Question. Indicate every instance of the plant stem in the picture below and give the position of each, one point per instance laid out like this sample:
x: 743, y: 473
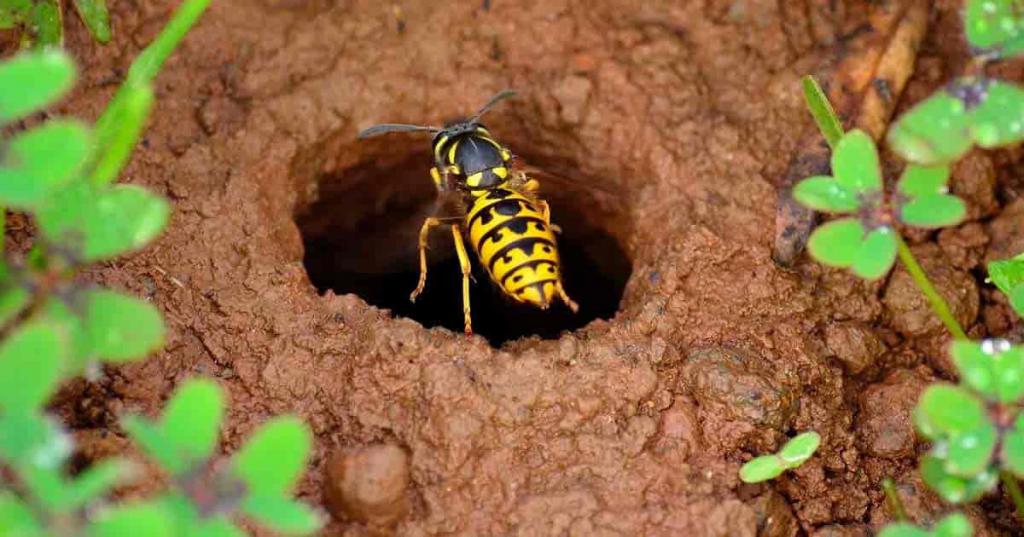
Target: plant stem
x: 936, y: 301
x: 893, y: 497
x: 1013, y: 489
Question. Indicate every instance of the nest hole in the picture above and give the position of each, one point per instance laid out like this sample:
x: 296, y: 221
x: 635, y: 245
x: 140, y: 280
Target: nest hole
x: 360, y: 234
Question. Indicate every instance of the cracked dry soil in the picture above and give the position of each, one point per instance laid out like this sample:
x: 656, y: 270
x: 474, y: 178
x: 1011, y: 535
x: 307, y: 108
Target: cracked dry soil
x: 291, y: 245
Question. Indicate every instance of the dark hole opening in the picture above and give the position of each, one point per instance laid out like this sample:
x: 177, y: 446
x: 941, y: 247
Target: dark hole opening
x: 360, y: 236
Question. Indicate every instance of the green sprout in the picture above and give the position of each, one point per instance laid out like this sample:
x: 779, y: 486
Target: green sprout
x: 793, y: 454
x: 42, y: 21
x: 995, y: 28
x: 953, y: 525
x: 56, y: 327
x: 1008, y: 275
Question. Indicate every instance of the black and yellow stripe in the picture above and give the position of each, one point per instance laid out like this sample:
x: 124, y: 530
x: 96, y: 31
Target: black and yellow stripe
x: 516, y: 245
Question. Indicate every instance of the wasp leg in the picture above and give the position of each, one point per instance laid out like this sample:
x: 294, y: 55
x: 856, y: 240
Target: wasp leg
x: 460, y: 250
x: 545, y: 210
x: 428, y: 224
x: 565, y: 298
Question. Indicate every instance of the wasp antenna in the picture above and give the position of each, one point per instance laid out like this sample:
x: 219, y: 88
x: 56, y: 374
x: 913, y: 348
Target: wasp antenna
x: 385, y: 128
x: 501, y: 96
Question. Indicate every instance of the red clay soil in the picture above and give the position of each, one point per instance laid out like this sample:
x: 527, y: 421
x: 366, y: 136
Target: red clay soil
x: 669, y: 122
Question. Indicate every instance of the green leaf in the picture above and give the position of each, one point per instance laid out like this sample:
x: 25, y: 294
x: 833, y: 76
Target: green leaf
x: 1007, y: 274
x: 31, y: 358
x: 32, y: 438
x: 217, y: 527
x: 837, y: 243
x: 147, y: 519
x: 16, y: 518
x: 823, y: 193
x: 155, y: 444
x: 40, y: 160
x: 800, y: 448
x: 44, y: 483
x: 33, y: 80
x: 46, y: 23
x: 1012, y: 454
x: 921, y: 180
x: 993, y: 368
x: 1017, y: 300
x: 129, y: 117
x: 282, y: 514
x: 935, y: 131
x: 121, y: 328
x: 903, y: 529
x: 13, y: 300
x: 13, y: 13
x: 762, y: 468
x: 271, y: 461
x: 999, y: 118
x: 995, y: 25
x: 94, y: 483
x: 103, y: 223
x: 855, y: 163
x: 876, y: 254
x: 825, y: 117
x: 955, y: 489
x: 945, y: 409
x: 970, y: 453
x: 933, y: 211
x: 96, y: 18
x: 59, y: 314
x: 192, y: 419
x: 954, y: 525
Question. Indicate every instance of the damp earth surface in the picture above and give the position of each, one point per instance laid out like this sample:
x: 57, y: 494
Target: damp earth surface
x: 663, y: 126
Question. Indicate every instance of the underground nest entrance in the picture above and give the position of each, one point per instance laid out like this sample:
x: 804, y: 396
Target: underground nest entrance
x: 360, y: 236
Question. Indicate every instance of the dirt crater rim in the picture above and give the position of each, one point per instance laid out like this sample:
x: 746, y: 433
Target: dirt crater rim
x: 360, y: 222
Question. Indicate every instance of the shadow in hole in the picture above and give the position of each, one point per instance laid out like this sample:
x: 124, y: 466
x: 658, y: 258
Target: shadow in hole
x: 360, y: 237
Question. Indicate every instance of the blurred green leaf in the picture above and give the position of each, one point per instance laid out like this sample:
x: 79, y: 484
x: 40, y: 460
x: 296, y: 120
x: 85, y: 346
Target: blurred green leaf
x: 876, y: 255
x: 217, y: 527
x: 995, y: 25
x: 933, y: 211
x: 952, y: 488
x: 13, y: 13
x: 31, y: 359
x: 800, y: 448
x: 116, y: 144
x: 13, y: 300
x: 36, y: 439
x: 272, y: 460
x: 155, y: 444
x: 40, y: 160
x: 855, y: 163
x: 33, y: 80
x: 46, y: 24
x: 935, y: 131
x: 837, y: 243
x: 823, y: 193
x: 954, y: 525
x: 192, y: 419
x: 945, y: 409
x: 120, y: 327
x: 129, y: 520
x: 94, y: 482
x: 820, y: 107
x: 102, y: 223
x: 16, y: 518
x: 903, y: 529
x: 1012, y: 454
x: 761, y: 469
x: 993, y: 368
x: 282, y: 514
x: 96, y: 18
x: 922, y: 180
x: 970, y: 453
x: 999, y: 118
x: 80, y: 354
x: 45, y: 484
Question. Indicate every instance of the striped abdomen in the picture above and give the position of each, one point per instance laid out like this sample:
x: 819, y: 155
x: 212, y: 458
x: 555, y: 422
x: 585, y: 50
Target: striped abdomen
x: 515, y: 245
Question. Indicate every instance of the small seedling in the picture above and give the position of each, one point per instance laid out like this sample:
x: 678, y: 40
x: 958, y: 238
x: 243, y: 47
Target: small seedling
x: 796, y: 452
x: 954, y: 525
x: 42, y: 21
